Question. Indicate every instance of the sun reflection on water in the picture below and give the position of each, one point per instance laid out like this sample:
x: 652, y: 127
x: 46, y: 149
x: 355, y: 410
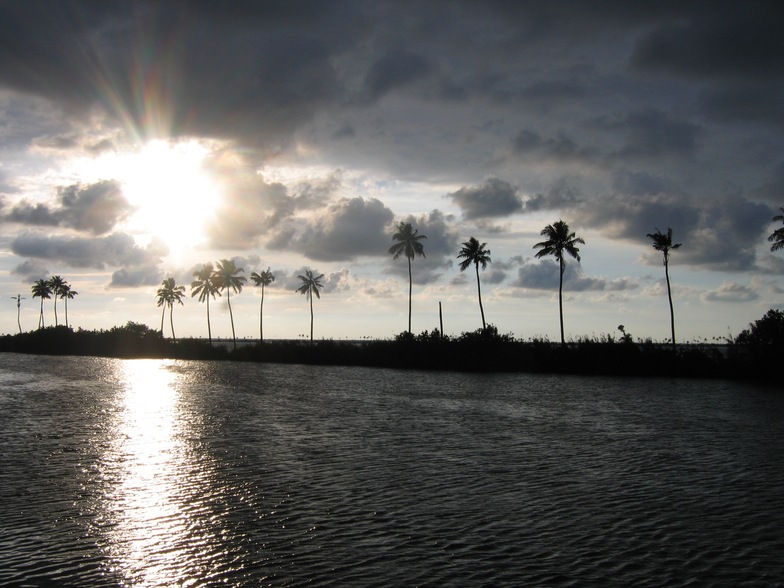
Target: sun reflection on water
x: 156, y: 533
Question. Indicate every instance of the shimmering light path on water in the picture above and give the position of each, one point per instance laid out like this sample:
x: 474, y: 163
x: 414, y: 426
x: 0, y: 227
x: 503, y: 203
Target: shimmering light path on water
x: 174, y: 473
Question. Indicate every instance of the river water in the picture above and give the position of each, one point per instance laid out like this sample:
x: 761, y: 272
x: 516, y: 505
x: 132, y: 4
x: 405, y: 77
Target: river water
x: 178, y: 473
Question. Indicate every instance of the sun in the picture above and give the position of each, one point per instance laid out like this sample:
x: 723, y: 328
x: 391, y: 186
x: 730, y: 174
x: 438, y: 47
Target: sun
x: 168, y: 184
x: 172, y: 192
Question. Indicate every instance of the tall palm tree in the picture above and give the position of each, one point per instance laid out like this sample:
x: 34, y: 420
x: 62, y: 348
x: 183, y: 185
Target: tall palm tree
x: 310, y: 285
x: 407, y: 244
x: 56, y: 284
x: 205, y: 287
x: 263, y: 279
x: 474, y: 252
x: 663, y: 242
x: 777, y: 237
x: 67, y: 293
x: 168, y: 294
x: 42, y: 290
x: 559, y: 241
x: 226, y: 278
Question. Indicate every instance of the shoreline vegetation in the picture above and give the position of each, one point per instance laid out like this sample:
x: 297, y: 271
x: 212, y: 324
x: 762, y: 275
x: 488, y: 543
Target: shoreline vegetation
x: 752, y: 355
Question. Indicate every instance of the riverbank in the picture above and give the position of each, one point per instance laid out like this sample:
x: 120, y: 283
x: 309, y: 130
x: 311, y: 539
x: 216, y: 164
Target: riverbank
x: 479, y: 351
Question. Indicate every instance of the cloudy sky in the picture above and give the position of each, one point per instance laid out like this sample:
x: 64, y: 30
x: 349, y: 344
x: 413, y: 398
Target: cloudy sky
x: 140, y: 139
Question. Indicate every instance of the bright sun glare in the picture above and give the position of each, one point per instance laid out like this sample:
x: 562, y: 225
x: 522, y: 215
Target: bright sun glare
x: 171, y: 191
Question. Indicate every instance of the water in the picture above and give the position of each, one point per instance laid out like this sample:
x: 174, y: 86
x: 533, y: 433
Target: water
x: 176, y: 473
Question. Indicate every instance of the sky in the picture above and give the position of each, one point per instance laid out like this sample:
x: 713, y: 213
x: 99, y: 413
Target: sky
x: 142, y: 139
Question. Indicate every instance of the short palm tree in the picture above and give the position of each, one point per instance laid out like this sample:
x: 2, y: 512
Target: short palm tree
x: 407, y: 244
x: 204, y: 287
x: 559, y: 241
x: 263, y: 279
x: 310, y: 286
x: 777, y: 237
x: 42, y: 290
x: 18, y: 299
x: 56, y: 284
x: 67, y: 293
x: 474, y: 252
x: 663, y: 242
x: 168, y: 294
x: 227, y: 278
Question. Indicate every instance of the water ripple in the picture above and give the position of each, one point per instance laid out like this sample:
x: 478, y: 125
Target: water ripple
x: 171, y: 473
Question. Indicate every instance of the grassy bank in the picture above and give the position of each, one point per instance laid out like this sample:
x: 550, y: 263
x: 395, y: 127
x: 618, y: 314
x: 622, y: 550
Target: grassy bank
x: 478, y: 351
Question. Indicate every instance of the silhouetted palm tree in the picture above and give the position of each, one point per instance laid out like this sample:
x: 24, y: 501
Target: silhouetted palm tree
x: 663, y: 242
x: 310, y: 285
x: 777, y: 237
x: 67, y: 293
x: 56, y: 284
x: 42, y: 290
x: 226, y: 278
x: 205, y: 287
x: 407, y: 244
x: 168, y: 294
x: 263, y: 279
x: 559, y: 240
x: 18, y: 299
x: 473, y: 252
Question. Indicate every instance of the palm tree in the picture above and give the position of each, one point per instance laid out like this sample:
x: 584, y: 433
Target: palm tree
x: 18, y: 299
x: 663, y: 242
x: 226, y: 278
x: 474, y: 252
x: 42, y: 290
x: 205, y: 287
x: 67, y: 293
x: 168, y: 294
x: 407, y: 244
x: 310, y: 285
x: 559, y: 240
x: 56, y: 284
x: 263, y: 279
x: 777, y: 237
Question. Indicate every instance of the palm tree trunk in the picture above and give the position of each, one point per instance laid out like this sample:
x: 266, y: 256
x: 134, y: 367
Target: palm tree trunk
x: 55, y: 310
x: 209, y: 328
x: 669, y: 297
x: 261, y: 315
x: 19, y: 316
x: 41, y: 321
x: 163, y: 315
x: 311, y: 317
x: 560, y: 300
x: 171, y: 320
x: 66, y: 312
x: 479, y: 293
x: 231, y: 316
x: 410, y: 282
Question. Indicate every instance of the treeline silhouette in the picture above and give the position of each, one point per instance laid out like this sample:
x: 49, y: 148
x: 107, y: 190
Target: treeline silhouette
x: 753, y: 354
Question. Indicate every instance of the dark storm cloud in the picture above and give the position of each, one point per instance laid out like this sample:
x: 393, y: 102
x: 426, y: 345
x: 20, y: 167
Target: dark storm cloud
x: 543, y: 275
x: 492, y: 198
x: 345, y: 230
x: 731, y: 292
x: 732, y: 40
x: 31, y: 270
x: 147, y: 275
x: 721, y: 235
x: 651, y: 133
x: 117, y: 249
x: 96, y: 209
x: 393, y: 70
x: 530, y: 144
x: 178, y: 54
